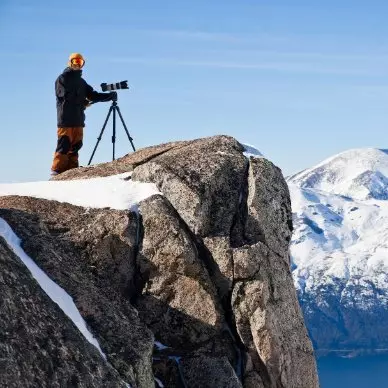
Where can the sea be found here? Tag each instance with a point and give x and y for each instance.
(357, 372)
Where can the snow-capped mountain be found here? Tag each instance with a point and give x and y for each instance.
(340, 250)
(357, 173)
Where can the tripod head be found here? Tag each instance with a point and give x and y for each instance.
(113, 99)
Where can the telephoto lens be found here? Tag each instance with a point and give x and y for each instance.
(115, 86)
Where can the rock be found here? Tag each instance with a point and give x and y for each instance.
(205, 268)
(39, 345)
(270, 324)
(220, 264)
(205, 186)
(83, 251)
(178, 302)
(125, 164)
(209, 372)
(249, 260)
(269, 207)
(202, 180)
(253, 271)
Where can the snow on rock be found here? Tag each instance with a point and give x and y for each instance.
(115, 192)
(251, 151)
(160, 346)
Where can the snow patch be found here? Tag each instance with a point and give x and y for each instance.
(114, 192)
(251, 151)
(160, 346)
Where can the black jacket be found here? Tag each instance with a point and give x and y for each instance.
(72, 94)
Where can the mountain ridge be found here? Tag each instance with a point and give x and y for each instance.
(339, 250)
(358, 173)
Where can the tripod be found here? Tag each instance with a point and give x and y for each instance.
(113, 108)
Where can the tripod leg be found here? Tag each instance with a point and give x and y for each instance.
(114, 132)
(100, 136)
(125, 127)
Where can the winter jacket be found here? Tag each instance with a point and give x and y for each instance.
(72, 93)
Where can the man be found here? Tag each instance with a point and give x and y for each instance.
(73, 95)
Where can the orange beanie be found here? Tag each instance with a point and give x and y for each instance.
(75, 55)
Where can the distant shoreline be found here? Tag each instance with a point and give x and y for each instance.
(350, 353)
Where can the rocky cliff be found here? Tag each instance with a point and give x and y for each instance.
(194, 288)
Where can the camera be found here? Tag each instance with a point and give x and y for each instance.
(118, 85)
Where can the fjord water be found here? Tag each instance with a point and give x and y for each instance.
(358, 372)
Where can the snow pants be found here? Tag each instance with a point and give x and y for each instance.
(68, 145)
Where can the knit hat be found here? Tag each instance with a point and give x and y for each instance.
(76, 56)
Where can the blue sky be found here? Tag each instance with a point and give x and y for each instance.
(300, 80)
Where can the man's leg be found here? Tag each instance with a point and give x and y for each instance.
(61, 159)
(76, 145)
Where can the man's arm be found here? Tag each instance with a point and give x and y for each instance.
(94, 96)
(60, 90)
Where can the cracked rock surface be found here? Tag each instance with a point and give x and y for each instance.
(203, 269)
(39, 345)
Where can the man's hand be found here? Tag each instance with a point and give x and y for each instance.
(113, 96)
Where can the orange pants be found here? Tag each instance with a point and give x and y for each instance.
(68, 145)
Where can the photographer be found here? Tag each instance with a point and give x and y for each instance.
(73, 95)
